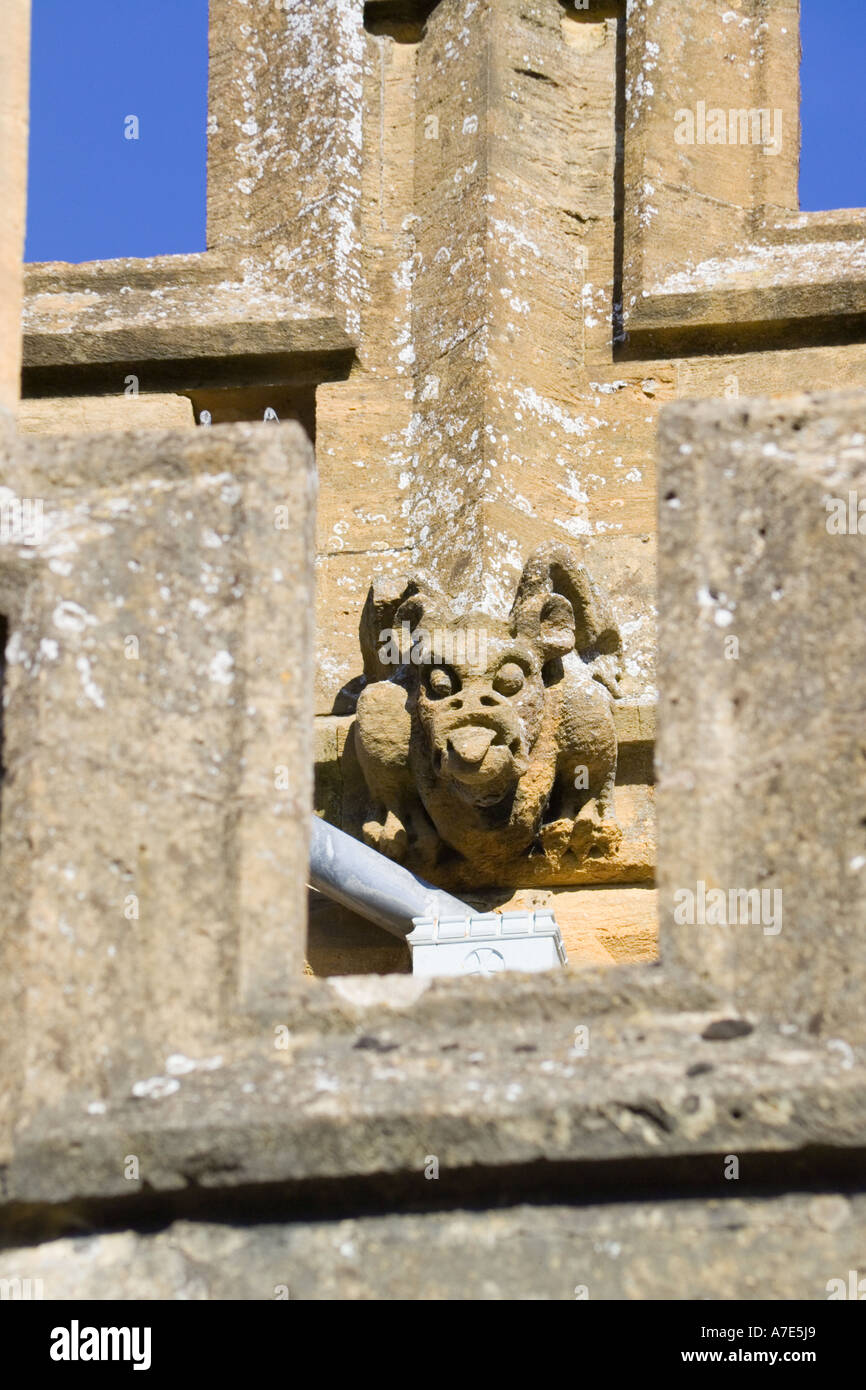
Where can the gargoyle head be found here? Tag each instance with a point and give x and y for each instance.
(471, 727)
(478, 686)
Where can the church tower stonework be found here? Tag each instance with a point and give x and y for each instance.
(494, 488)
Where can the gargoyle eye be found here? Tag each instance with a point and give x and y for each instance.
(440, 682)
(509, 679)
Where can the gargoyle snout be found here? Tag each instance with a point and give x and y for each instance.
(477, 736)
(471, 743)
(474, 705)
(478, 741)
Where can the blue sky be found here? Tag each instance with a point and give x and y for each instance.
(833, 111)
(95, 195)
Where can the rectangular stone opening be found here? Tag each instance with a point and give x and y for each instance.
(230, 405)
(118, 137)
(225, 315)
(401, 20)
(453, 180)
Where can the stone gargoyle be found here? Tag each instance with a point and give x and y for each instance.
(485, 738)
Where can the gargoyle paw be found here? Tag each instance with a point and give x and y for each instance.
(388, 838)
(555, 837)
(594, 831)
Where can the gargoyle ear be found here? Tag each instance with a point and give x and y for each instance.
(552, 570)
(411, 612)
(414, 621)
(556, 626)
(386, 596)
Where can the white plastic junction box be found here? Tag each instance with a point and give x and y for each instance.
(485, 943)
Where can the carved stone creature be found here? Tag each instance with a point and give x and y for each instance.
(490, 738)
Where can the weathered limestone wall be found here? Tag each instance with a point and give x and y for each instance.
(491, 405)
(739, 1058)
(185, 1037)
(490, 157)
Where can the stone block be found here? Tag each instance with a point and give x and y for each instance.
(90, 414)
(762, 742)
(339, 942)
(157, 751)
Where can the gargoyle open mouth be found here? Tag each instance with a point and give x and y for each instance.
(484, 762)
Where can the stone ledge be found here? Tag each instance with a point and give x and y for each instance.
(729, 1248)
(374, 1102)
(91, 414)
